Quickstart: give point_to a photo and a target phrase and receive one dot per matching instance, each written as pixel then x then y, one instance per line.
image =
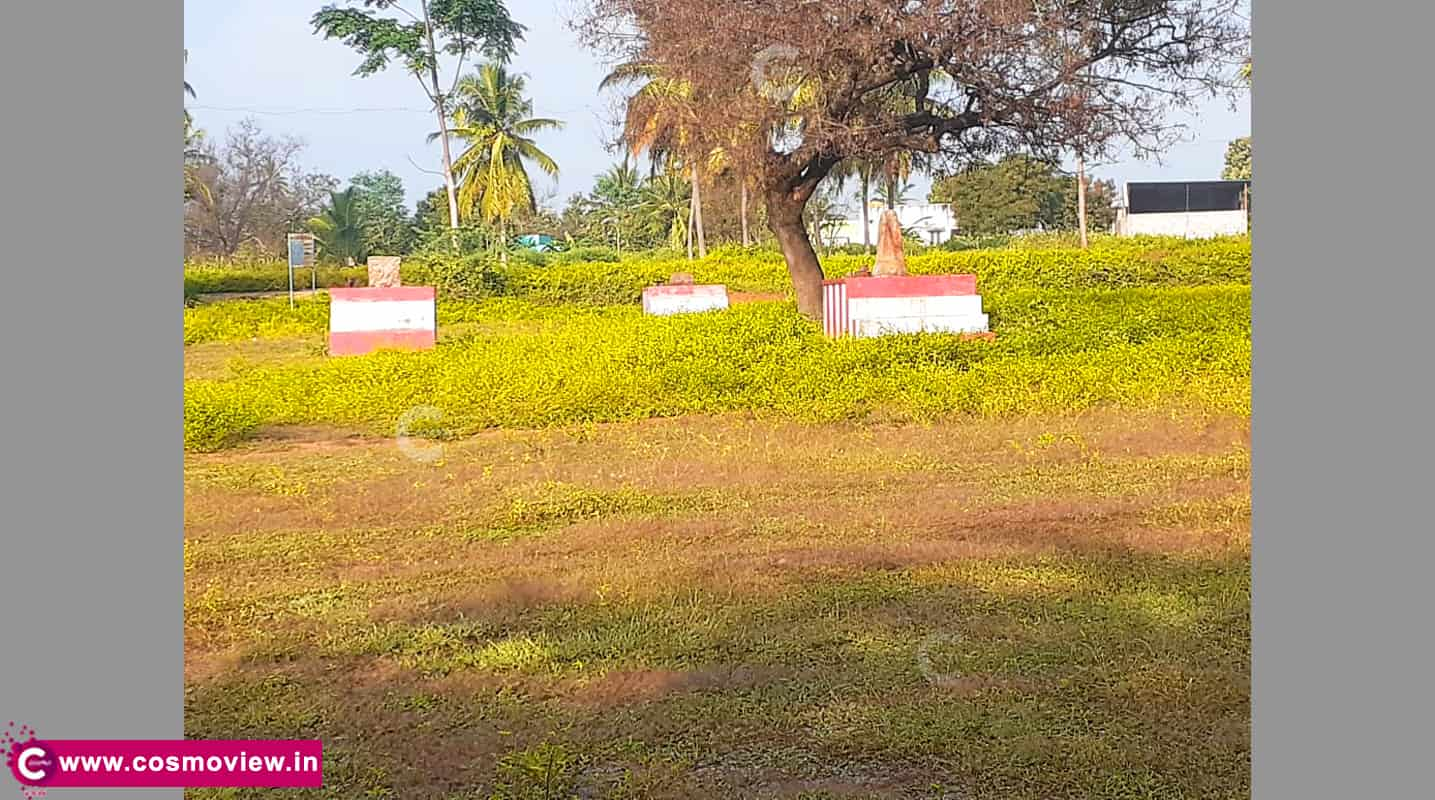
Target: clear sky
pixel 261 59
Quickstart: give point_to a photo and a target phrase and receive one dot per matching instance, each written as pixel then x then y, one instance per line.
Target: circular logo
pixel 935 676
pixel 415 422
pixel 762 65
pixel 34 763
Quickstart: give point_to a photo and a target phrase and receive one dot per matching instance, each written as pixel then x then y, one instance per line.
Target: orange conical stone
pixel 890 258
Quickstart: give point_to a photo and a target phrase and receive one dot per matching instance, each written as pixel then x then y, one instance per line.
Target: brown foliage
pixel 791 88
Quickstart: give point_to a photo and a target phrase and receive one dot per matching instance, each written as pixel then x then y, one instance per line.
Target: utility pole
pixel 1081 196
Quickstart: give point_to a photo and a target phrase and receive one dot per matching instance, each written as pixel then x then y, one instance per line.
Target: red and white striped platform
pixel 863 306
pixel 366 319
pixel 684 298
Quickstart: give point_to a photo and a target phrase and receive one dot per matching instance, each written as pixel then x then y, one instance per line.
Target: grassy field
pixel 721 556
pixel 717 607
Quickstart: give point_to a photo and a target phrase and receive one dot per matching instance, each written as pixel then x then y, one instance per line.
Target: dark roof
pixel 1154 197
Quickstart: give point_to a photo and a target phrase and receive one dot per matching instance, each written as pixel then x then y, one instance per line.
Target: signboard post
pixel 301 254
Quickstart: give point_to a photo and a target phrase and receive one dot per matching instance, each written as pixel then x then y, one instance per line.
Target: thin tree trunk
pixel 785 219
pixel 746 239
pixel 441 109
pixel 692 211
pixel 866 212
pixel 1081 196
pixel 698 212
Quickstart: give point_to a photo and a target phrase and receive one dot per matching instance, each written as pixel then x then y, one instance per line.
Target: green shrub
pixel 216 415
pixel 267 277
pixel 588 253
pixel 266 318
pixel 466 277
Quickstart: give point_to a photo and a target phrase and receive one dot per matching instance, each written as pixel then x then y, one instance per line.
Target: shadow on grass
pixel 1099 673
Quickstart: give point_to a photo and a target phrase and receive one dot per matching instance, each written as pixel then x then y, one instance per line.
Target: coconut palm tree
pixel 339 227
pixel 188 90
pixel 864 172
pixel 658 119
pixel 494 118
pixel 617 194
pixel 195 155
pixel 665 207
pixel 619 186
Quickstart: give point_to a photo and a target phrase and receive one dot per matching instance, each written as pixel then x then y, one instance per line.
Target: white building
pixel 935 223
pixel 1192 209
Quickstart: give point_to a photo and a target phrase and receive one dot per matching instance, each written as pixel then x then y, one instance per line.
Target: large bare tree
pixel 793 88
pixel 253 191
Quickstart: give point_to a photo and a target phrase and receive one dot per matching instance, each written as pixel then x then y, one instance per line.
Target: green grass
pixel 520 365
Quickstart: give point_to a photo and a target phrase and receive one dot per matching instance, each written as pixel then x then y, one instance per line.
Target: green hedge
pixel 1115 264
pixel 266 277
pixel 1110 262
pixel 1055 351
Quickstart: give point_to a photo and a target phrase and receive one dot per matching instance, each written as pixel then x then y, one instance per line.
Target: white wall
pixel 1191 225
pixel 934 222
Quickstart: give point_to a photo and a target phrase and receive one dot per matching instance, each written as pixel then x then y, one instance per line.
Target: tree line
pixel 781 104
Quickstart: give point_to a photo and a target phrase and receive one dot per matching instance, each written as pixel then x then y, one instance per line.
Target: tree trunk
pixel 746 239
pixel 698 212
pixel 784 219
pixel 866 212
pixel 441 109
pixel 1081 197
pixel 692 213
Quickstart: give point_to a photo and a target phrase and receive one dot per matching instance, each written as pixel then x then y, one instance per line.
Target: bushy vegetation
pixel 545 366
pixel 596 277
pixel 263 276
pixel 215 418
pixel 269 318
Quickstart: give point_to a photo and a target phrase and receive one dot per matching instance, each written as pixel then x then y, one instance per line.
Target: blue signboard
pixel 296 252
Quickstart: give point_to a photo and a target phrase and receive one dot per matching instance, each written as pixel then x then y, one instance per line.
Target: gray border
pixel 91 564
pixel 1341 704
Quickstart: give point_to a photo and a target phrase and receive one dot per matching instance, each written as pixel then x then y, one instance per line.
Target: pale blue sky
pixel 260 59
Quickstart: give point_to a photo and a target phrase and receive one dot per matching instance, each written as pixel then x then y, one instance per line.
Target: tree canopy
pixel 792 88
pixel 1021 193
pixel 379 197
pixel 457 28
pixel 1238 160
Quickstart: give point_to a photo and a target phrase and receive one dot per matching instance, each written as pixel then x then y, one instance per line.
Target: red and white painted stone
pixel 362 320
pixel 865 306
pixel 684 299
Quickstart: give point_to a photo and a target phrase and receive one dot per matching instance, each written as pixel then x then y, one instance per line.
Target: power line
pixel 289 111
pixel 395 109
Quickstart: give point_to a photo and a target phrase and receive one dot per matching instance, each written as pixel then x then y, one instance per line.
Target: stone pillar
pixel 890 258
pixel 384 271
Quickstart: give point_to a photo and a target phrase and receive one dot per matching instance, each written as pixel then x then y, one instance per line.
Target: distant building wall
pixel 935 223
pixel 1188 224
